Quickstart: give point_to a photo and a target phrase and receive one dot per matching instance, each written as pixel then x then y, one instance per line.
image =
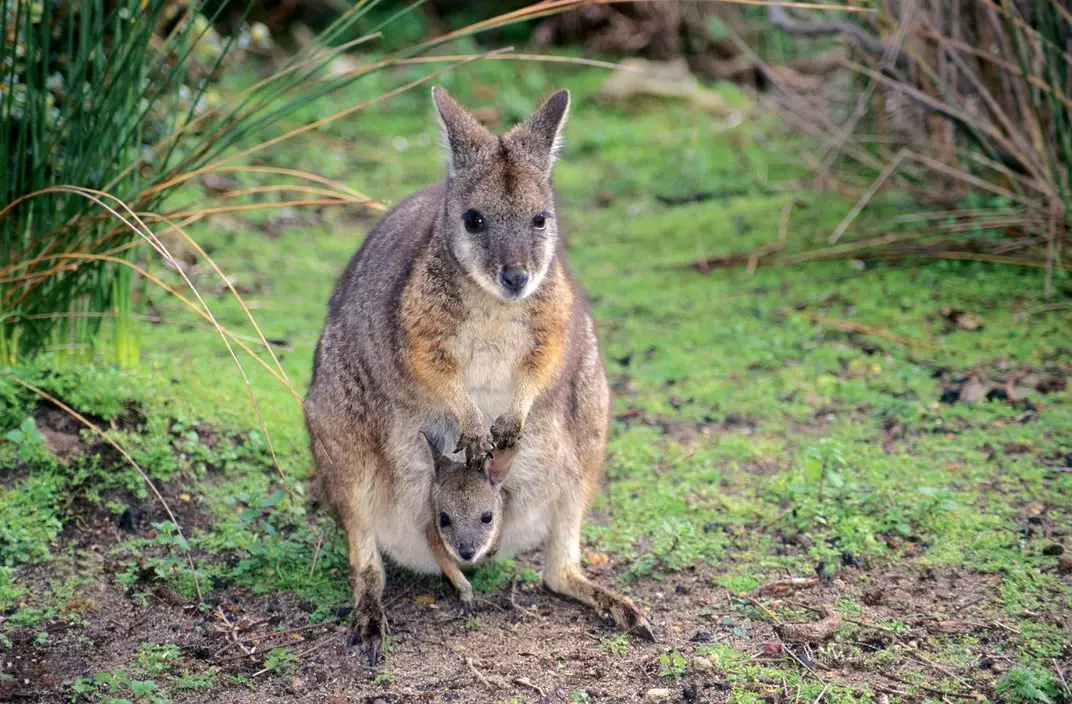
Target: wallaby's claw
pixel 476 448
pixel 368 629
pixel 468 608
pixel 643 630
pixel 505 432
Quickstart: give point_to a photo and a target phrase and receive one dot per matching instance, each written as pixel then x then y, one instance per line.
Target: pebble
pixel 702 664
pixel 658 693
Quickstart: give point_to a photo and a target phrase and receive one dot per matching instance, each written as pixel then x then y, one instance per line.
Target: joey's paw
pixel 477 447
pixel 505 432
pixel 368 630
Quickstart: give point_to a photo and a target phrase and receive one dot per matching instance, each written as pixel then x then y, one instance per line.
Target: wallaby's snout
pixel 499 214
pixel 514 279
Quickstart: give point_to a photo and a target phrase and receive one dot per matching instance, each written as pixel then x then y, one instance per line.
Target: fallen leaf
pixel 424 600
pixel 811 632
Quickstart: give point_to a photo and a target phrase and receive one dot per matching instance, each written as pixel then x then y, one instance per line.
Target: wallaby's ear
pixel 498 465
pixel 541 134
pixel 463 134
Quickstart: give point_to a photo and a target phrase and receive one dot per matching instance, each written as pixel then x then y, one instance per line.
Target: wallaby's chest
pixel 490 345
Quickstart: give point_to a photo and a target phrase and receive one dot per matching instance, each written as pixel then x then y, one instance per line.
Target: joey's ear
pixel 498 465
pixel 463 134
pixel 541 134
pixel 437 456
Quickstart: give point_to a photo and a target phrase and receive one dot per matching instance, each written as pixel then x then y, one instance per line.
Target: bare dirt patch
pixel 529 644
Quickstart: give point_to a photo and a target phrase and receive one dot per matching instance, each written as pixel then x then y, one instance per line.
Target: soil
pixel 527 643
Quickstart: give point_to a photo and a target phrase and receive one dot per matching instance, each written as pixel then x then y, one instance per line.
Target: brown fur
pixel 425 333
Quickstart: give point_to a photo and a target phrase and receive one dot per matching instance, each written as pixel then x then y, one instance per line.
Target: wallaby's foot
pixel 476 446
pixel 368 629
pixel 468 607
pixel 612 608
pixel 465 595
pixel 506 431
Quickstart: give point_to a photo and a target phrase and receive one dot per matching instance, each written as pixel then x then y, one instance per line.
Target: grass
pixel 750 442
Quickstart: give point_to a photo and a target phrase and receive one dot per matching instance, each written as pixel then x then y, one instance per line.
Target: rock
pixel 657 693
pixel 972 392
pixel 663 79
pixel 1065 565
pixel 1053 550
pixel 702 664
pixel 874 597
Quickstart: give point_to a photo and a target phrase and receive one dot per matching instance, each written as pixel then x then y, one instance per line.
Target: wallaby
pixel 467 516
pixel 457 318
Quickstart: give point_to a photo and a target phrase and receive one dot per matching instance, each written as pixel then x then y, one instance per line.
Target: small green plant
pixel 118 688
pixel 156 658
pixel 383 677
pixel 280 661
pixel 1029 685
pixel 615 645
pixel 671 664
pixel 580 696
pixel 195 681
pixel 26 434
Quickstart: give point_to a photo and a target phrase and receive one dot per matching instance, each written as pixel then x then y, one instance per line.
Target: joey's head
pixel 467 507
pixel 500 215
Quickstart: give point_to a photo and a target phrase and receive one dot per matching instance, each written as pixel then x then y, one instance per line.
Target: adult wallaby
pixel 457 318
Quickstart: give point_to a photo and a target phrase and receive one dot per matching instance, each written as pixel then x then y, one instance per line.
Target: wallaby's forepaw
pixel 476 446
pixel 506 431
pixel 368 630
pixel 468 607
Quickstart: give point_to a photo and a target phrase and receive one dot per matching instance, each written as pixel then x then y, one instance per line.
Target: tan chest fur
pixel 489 346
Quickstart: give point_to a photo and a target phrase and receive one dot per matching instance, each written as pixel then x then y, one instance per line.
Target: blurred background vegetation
pixel 966 109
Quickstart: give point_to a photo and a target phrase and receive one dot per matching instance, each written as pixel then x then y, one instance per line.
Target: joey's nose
pixel 514 278
pixel 465 552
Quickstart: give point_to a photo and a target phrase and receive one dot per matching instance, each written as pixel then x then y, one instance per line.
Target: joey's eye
pixel 474 221
pixel 444 520
pixel 539 221
pixel 486 517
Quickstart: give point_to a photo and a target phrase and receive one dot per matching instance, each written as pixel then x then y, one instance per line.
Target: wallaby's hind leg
pixel 340 490
pixel 562 572
pixel 368 623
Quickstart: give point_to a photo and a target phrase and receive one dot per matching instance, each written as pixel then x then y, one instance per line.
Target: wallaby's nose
pixel 514 278
pixel 465 552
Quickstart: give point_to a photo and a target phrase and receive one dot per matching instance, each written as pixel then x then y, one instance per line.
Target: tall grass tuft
pixel 114 96
pixel 965 104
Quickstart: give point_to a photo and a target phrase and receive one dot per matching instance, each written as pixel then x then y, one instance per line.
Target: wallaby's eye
pixel 474 221
pixel 539 221
pixel 486 517
pixel 444 520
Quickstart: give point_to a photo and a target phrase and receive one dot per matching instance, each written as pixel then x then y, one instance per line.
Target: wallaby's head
pixel 467 506
pixel 500 215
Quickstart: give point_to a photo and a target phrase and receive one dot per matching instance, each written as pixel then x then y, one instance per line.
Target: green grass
pixel 790 417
